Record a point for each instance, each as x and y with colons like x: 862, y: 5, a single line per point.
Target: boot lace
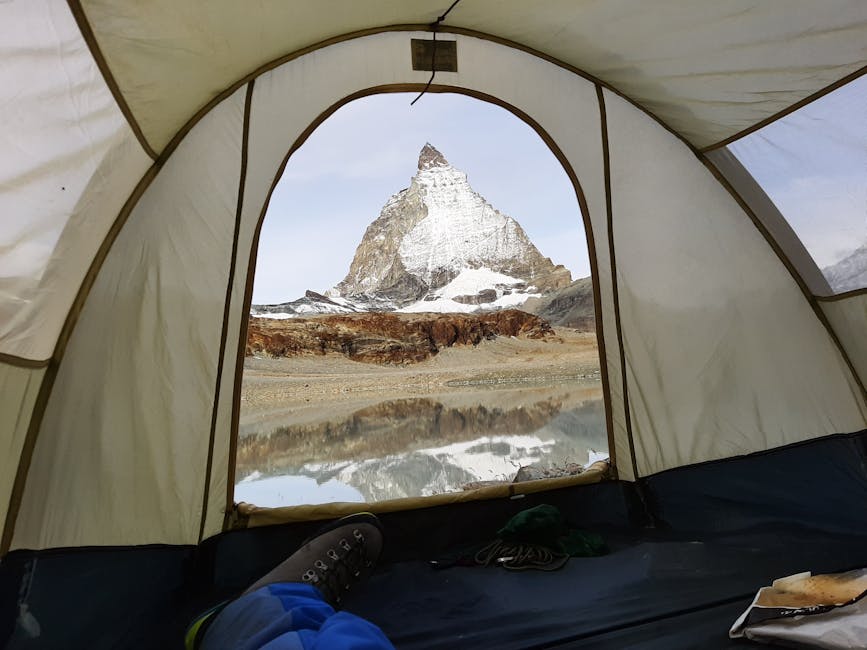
x: 335, y: 573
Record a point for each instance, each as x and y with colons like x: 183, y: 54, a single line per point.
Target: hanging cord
x: 433, y: 57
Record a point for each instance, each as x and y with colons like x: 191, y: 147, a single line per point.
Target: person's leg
x: 292, y: 606
x: 290, y: 616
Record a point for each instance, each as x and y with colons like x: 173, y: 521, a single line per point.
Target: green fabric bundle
x: 546, y: 526
x: 537, y: 538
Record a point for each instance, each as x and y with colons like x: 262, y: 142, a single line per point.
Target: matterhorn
x: 439, y: 246
x: 439, y: 241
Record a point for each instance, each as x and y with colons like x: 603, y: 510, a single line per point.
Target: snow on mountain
x: 461, y: 229
x: 474, y: 290
x: 470, y: 282
x: 849, y: 273
x: 430, y: 232
x: 312, y: 303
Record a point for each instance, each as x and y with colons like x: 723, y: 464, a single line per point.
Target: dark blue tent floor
x: 689, y: 549
x: 656, y: 593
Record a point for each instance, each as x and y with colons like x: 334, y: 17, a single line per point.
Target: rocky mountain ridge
x: 433, y: 231
x: 571, y: 306
x: 440, y: 247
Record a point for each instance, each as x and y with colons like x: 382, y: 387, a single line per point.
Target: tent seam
x: 101, y: 63
x: 615, y: 294
x: 227, y: 304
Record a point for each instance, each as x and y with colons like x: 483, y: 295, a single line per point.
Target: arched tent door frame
x: 299, y: 142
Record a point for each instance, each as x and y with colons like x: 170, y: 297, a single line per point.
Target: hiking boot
x: 334, y: 559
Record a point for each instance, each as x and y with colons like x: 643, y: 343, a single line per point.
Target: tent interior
x: 717, y: 154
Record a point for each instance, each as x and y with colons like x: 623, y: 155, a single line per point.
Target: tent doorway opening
x: 423, y: 312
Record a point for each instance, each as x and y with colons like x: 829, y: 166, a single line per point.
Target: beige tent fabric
x: 769, y: 215
x: 18, y: 390
x: 171, y: 58
x: 724, y: 353
x: 709, y: 69
x: 121, y: 454
x: 68, y: 162
x: 848, y: 317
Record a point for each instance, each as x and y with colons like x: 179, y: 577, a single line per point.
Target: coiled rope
x: 520, y: 556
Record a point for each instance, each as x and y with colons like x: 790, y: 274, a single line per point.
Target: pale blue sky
x: 338, y: 181
x: 813, y: 165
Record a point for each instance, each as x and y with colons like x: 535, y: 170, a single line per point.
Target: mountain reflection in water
x: 418, y: 447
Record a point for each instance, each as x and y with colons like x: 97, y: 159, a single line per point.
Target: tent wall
x: 121, y: 456
x: 725, y: 355
x: 848, y: 316
x: 135, y: 445
x: 70, y: 161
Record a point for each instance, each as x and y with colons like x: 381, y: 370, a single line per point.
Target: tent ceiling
x: 708, y: 69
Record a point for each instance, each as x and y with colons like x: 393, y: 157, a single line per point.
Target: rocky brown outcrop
x: 482, y: 297
x: 387, y: 338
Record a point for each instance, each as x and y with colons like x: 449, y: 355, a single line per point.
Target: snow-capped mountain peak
x: 428, y: 233
x: 437, y: 246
